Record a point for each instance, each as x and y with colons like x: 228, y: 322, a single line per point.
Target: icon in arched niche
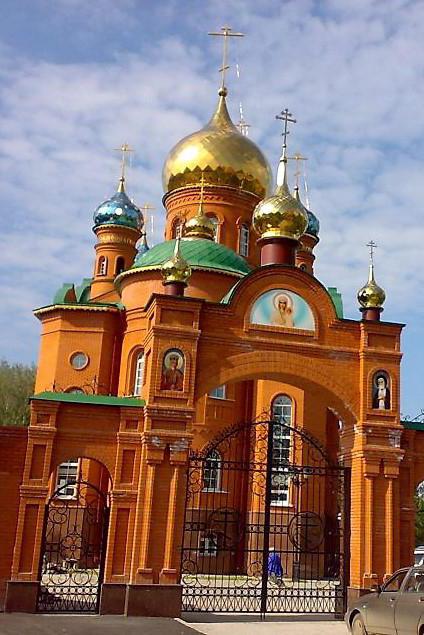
x: 381, y: 391
x: 172, y: 370
x: 281, y: 307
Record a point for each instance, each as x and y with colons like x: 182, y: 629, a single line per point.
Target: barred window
x: 102, y: 266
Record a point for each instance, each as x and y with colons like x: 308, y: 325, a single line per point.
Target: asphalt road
x: 27, y: 624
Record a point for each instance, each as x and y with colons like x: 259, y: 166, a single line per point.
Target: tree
x: 419, y: 521
x: 16, y: 386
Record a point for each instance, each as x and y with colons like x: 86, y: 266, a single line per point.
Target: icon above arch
x: 280, y: 307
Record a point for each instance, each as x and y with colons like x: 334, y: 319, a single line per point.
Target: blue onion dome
x: 119, y: 210
x: 143, y: 247
x: 313, y: 222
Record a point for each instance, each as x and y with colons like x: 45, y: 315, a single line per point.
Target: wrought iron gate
x: 74, y: 544
x: 266, y: 524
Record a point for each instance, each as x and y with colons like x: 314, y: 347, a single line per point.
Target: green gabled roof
x: 99, y: 400
x: 337, y: 299
x: 200, y: 253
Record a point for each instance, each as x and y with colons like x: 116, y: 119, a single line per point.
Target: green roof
x: 200, y: 253
x: 413, y: 425
x: 337, y: 299
x: 96, y: 400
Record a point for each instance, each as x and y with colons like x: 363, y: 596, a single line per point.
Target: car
x: 419, y: 555
x: 396, y: 608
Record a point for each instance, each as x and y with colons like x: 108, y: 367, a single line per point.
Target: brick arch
x: 74, y: 450
x: 287, y: 368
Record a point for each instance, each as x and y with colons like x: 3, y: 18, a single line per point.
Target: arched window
x: 244, y: 240
x: 102, y: 266
x: 215, y: 222
x: 281, y: 411
x: 119, y: 265
x: 139, y: 374
x: 212, y: 472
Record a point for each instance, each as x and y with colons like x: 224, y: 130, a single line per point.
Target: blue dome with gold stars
x: 119, y: 210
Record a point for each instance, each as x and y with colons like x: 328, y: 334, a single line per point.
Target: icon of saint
x: 381, y: 396
x: 172, y: 371
x: 282, y: 314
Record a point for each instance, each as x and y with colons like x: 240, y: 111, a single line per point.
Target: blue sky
x: 78, y: 78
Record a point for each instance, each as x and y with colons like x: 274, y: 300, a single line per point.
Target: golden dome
x: 371, y: 296
x: 176, y: 269
x: 221, y: 153
x: 280, y: 215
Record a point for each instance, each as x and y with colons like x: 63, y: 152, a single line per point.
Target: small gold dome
x: 200, y: 226
x: 371, y: 296
x: 176, y: 269
x: 280, y: 215
x: 221, y: 153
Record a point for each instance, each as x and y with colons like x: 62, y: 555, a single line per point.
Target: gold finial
x: 371, y: 295
x: 125, y: 149
x: 200, y: 226
x: 287, y: 117
x: 225, y: 32
x: 176, y: 269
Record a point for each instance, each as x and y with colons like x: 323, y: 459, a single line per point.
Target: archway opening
x: 74, y: 537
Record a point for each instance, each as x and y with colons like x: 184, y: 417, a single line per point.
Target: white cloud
x: 351, y: 72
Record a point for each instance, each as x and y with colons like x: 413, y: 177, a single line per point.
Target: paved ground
x: 23, y: 624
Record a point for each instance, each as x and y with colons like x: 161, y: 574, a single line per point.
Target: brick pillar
x: 22, y: 589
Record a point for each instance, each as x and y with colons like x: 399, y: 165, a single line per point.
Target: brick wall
x: 13, y: 442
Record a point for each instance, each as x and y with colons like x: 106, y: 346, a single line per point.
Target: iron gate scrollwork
x: 272, y: 533
x: 74, y: 544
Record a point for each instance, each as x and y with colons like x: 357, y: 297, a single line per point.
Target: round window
x: 79, y: 361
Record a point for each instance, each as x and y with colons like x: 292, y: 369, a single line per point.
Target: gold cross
x: 372, y: 246
x: 287, y: 117
x: 226, y: 32
x: 297, y: 157
x: 242, y: 125
x: 148, y: 208
x: 125, y: 149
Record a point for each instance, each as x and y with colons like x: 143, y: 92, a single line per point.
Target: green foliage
x: 16, y: 386
x: 419, y: 521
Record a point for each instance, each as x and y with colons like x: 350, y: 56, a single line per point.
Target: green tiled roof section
x: 65, y: 294
x: 199, y: 253
x: 413, y: 425
x: 337, y: 301
x: 82, y: 291
x: 96, y: 400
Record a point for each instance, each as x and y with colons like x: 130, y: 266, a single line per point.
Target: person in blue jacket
x: 275, y: 570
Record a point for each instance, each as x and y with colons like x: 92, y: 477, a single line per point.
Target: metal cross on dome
x: 149, y: 208
x: 125, y: 149
x: 226, y: 32
x: 297, y: 157
x: 372, y: 246
x: 287, y: 117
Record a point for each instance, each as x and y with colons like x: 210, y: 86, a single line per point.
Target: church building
x: 208, y: 431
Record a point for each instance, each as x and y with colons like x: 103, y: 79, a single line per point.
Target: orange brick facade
x: 327, y: 372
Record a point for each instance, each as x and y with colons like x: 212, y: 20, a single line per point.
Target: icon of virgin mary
x: 282, y: 314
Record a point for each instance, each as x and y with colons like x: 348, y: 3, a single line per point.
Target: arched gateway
x: 266, y: 523
x: 73, y: 549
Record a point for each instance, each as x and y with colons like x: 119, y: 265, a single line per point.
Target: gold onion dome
x: 200, y: 226
x: 176, y: 269
x: 221, y: 153
x: 371, y: 296
x: 280, y: 215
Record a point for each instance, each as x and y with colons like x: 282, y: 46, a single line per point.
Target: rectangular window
x: 219, y: 393
x: 139, y: 375
x: 244, y: 241
x: 66, y: 478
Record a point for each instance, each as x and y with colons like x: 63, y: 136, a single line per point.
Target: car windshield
x: 395, y: 582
